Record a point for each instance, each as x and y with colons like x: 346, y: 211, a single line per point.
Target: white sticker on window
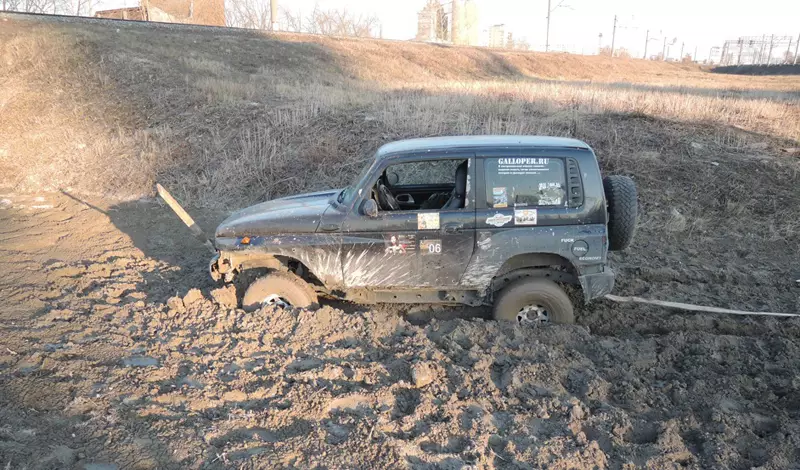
x: 525, y: 216
x: 498, y: 220
x: 522, y: 166
x: 428, y: 221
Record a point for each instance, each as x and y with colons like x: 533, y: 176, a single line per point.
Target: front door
x: 424, y: 245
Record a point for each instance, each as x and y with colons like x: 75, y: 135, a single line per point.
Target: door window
x: 422, y: 185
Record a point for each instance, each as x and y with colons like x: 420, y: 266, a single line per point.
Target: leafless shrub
x: 251, y: 14
x: 341, y: 23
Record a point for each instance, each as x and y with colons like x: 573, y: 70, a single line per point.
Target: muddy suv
x: 498, y: 220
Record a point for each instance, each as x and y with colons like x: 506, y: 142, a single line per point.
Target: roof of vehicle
x: 482, y: 141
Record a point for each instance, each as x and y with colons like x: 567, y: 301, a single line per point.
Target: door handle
x: 452, y: 228
x: 329, y: 227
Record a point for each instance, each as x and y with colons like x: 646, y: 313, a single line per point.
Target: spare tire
x: 623, y: 210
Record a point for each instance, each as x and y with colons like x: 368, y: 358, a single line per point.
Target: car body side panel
x: 577, y: 234
x: 495, y: 247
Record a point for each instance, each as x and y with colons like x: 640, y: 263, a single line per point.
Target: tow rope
x: 694, y: 308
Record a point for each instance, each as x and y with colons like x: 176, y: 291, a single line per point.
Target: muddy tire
x: 282, y: 288
x: 533, y: 300
x: 623, y: 210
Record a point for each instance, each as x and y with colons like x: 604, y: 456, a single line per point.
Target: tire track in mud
x: 106, y: 365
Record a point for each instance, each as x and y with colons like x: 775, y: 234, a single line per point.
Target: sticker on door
x: 498, y: 220
x: 430, y: 247
x: 428, y: 221
x: 400, y: 244
x: 525, y: 216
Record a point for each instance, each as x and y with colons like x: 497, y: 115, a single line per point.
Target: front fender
x: 320, y: 253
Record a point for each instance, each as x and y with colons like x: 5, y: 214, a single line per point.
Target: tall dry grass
x: 230, y: 119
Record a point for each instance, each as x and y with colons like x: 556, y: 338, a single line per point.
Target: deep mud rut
x: 108, y: 360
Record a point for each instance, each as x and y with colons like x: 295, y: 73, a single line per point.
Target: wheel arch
x: 545, y: 265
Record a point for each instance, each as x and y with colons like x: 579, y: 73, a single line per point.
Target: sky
x: 575, y: 25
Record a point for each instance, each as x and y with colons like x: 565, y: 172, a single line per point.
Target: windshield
x: 348, y: 193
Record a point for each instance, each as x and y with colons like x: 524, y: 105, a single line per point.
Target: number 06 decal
x: 430, y: 247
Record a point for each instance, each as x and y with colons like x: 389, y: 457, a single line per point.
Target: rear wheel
x: 282, y: 289
x: 533, y: 301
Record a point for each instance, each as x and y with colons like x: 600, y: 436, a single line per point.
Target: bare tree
x: 292, y: 22
x: 39, y: 6
x: 341, y: 23
x: 85, y: 7
x: 522, y: 45
x: 252, y: 14
x: 622, y: 52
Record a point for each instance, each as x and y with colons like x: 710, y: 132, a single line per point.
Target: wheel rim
x: 276, y: 300
x: 534, y: 314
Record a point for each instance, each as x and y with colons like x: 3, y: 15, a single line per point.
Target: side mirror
x: 370, y: 208
x: 392, y: 178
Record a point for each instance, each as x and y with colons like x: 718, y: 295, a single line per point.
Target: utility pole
x: 549, y: 12
x: 599, y: 42
x: 695, y: 54
x: 739, y: 58
x: 613, y: 35
x: 646, y: 41
x: 681, y: 56
x: 664, y: 50
x: 797, y: 44
x: 273, y: 11
x: 547, y: 38
x: 771, y: 43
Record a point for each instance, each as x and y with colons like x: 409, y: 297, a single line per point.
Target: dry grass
x: 244, y: 117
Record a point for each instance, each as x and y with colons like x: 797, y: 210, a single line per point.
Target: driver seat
x: 459, y: 193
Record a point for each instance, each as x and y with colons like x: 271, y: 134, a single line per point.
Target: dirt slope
x: 102, y: 365
x: 228, y: 117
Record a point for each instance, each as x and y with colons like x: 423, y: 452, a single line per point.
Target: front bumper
x: 597, y: 285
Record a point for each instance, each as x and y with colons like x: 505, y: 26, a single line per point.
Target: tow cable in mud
x: 694, y: 308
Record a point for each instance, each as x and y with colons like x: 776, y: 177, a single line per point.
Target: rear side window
x: 521, y: 182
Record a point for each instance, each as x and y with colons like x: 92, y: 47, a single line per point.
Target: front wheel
x: 533, y: 301
x: 281, y: 289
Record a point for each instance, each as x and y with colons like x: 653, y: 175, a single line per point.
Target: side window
x: 429, y: 172
x: 422, y: 185
x: 521, y: 182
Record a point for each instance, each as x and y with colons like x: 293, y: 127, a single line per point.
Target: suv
x: 502, y: 220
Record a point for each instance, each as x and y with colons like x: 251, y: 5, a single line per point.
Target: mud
x: 109, y: 359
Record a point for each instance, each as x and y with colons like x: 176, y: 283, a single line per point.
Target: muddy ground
x: 109, y: 360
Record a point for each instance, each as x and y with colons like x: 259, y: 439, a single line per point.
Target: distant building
x: 432, y: 24
x: 205, y: 12
x: 133, y: 13
x: 454, y: 21
x: 497, y: 36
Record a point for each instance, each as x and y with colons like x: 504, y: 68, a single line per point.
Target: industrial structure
x: 759, y: 50
x: 448, y: 21
x: 205, y: 12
